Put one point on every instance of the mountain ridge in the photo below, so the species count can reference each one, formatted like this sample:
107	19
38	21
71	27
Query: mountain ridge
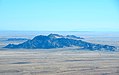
59	41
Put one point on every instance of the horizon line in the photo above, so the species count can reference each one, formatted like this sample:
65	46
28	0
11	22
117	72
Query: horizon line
51	31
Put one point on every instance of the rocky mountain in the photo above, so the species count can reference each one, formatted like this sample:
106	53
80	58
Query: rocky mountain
61	36
73	37
59	41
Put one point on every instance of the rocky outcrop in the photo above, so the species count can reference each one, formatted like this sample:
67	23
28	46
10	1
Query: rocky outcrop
73	37
59	41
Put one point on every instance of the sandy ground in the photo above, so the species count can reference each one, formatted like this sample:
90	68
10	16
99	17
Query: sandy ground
58	62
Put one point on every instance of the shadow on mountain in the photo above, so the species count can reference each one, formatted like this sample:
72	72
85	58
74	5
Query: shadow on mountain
59	41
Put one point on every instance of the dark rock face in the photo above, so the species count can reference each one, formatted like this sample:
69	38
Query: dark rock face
55	36
58	41
73	37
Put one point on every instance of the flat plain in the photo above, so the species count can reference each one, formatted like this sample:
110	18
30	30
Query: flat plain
58	62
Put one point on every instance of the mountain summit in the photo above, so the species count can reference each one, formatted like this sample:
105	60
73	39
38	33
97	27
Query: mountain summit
59	41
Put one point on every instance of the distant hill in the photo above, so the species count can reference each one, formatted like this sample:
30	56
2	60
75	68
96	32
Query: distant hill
59	41
16	39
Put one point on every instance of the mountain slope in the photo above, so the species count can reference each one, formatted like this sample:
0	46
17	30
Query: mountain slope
59	41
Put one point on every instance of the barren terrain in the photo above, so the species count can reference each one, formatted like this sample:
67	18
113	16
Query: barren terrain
58	62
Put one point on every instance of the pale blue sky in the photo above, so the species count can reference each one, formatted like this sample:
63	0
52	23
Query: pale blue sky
59	15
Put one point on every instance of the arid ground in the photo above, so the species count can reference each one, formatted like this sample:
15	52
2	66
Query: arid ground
58	62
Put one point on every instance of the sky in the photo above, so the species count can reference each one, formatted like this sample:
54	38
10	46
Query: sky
59	15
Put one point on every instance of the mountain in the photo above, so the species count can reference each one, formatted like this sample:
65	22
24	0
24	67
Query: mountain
61	36
55	36
16	39
59	41
73	37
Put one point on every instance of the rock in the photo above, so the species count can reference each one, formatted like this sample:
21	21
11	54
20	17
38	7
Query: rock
59	41
73	37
